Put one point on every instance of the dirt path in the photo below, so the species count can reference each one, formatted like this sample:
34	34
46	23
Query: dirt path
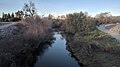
7	25
103	28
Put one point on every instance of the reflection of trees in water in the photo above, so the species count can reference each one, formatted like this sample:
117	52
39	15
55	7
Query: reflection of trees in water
19	53
29	58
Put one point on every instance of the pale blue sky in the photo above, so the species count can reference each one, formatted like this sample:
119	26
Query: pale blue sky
59	7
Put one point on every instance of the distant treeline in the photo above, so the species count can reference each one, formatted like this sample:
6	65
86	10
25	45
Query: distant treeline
28	10
11	17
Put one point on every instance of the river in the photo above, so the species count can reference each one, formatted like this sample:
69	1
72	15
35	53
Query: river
56	55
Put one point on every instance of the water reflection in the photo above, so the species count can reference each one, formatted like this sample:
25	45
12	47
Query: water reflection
30	55
21	52
57	55
49	54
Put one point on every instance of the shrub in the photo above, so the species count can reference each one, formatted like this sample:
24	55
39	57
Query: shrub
36	28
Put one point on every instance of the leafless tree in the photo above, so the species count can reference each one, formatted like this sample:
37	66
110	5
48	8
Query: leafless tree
29	9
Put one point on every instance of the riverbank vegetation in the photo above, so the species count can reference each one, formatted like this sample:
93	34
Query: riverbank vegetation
19	50
90	46
106	17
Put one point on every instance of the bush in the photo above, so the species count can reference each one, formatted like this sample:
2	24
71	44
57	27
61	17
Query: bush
36	28
21	50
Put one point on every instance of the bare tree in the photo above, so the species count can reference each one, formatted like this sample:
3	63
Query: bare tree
29	9
104	17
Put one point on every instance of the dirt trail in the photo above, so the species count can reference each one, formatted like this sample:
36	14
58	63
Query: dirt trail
113	34
7	25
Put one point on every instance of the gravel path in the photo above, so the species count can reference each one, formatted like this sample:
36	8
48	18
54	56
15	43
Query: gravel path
7	25
103	28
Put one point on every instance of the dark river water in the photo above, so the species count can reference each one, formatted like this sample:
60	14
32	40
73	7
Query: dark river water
57	55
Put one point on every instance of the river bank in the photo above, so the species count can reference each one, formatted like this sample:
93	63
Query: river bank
91	47
99	51
20	49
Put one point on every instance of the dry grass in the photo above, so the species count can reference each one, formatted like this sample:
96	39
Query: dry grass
20	49
36	28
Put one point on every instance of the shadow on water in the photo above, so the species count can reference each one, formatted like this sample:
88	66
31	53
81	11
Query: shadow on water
29	57
19	52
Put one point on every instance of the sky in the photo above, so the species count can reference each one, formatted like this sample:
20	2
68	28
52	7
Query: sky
62	7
